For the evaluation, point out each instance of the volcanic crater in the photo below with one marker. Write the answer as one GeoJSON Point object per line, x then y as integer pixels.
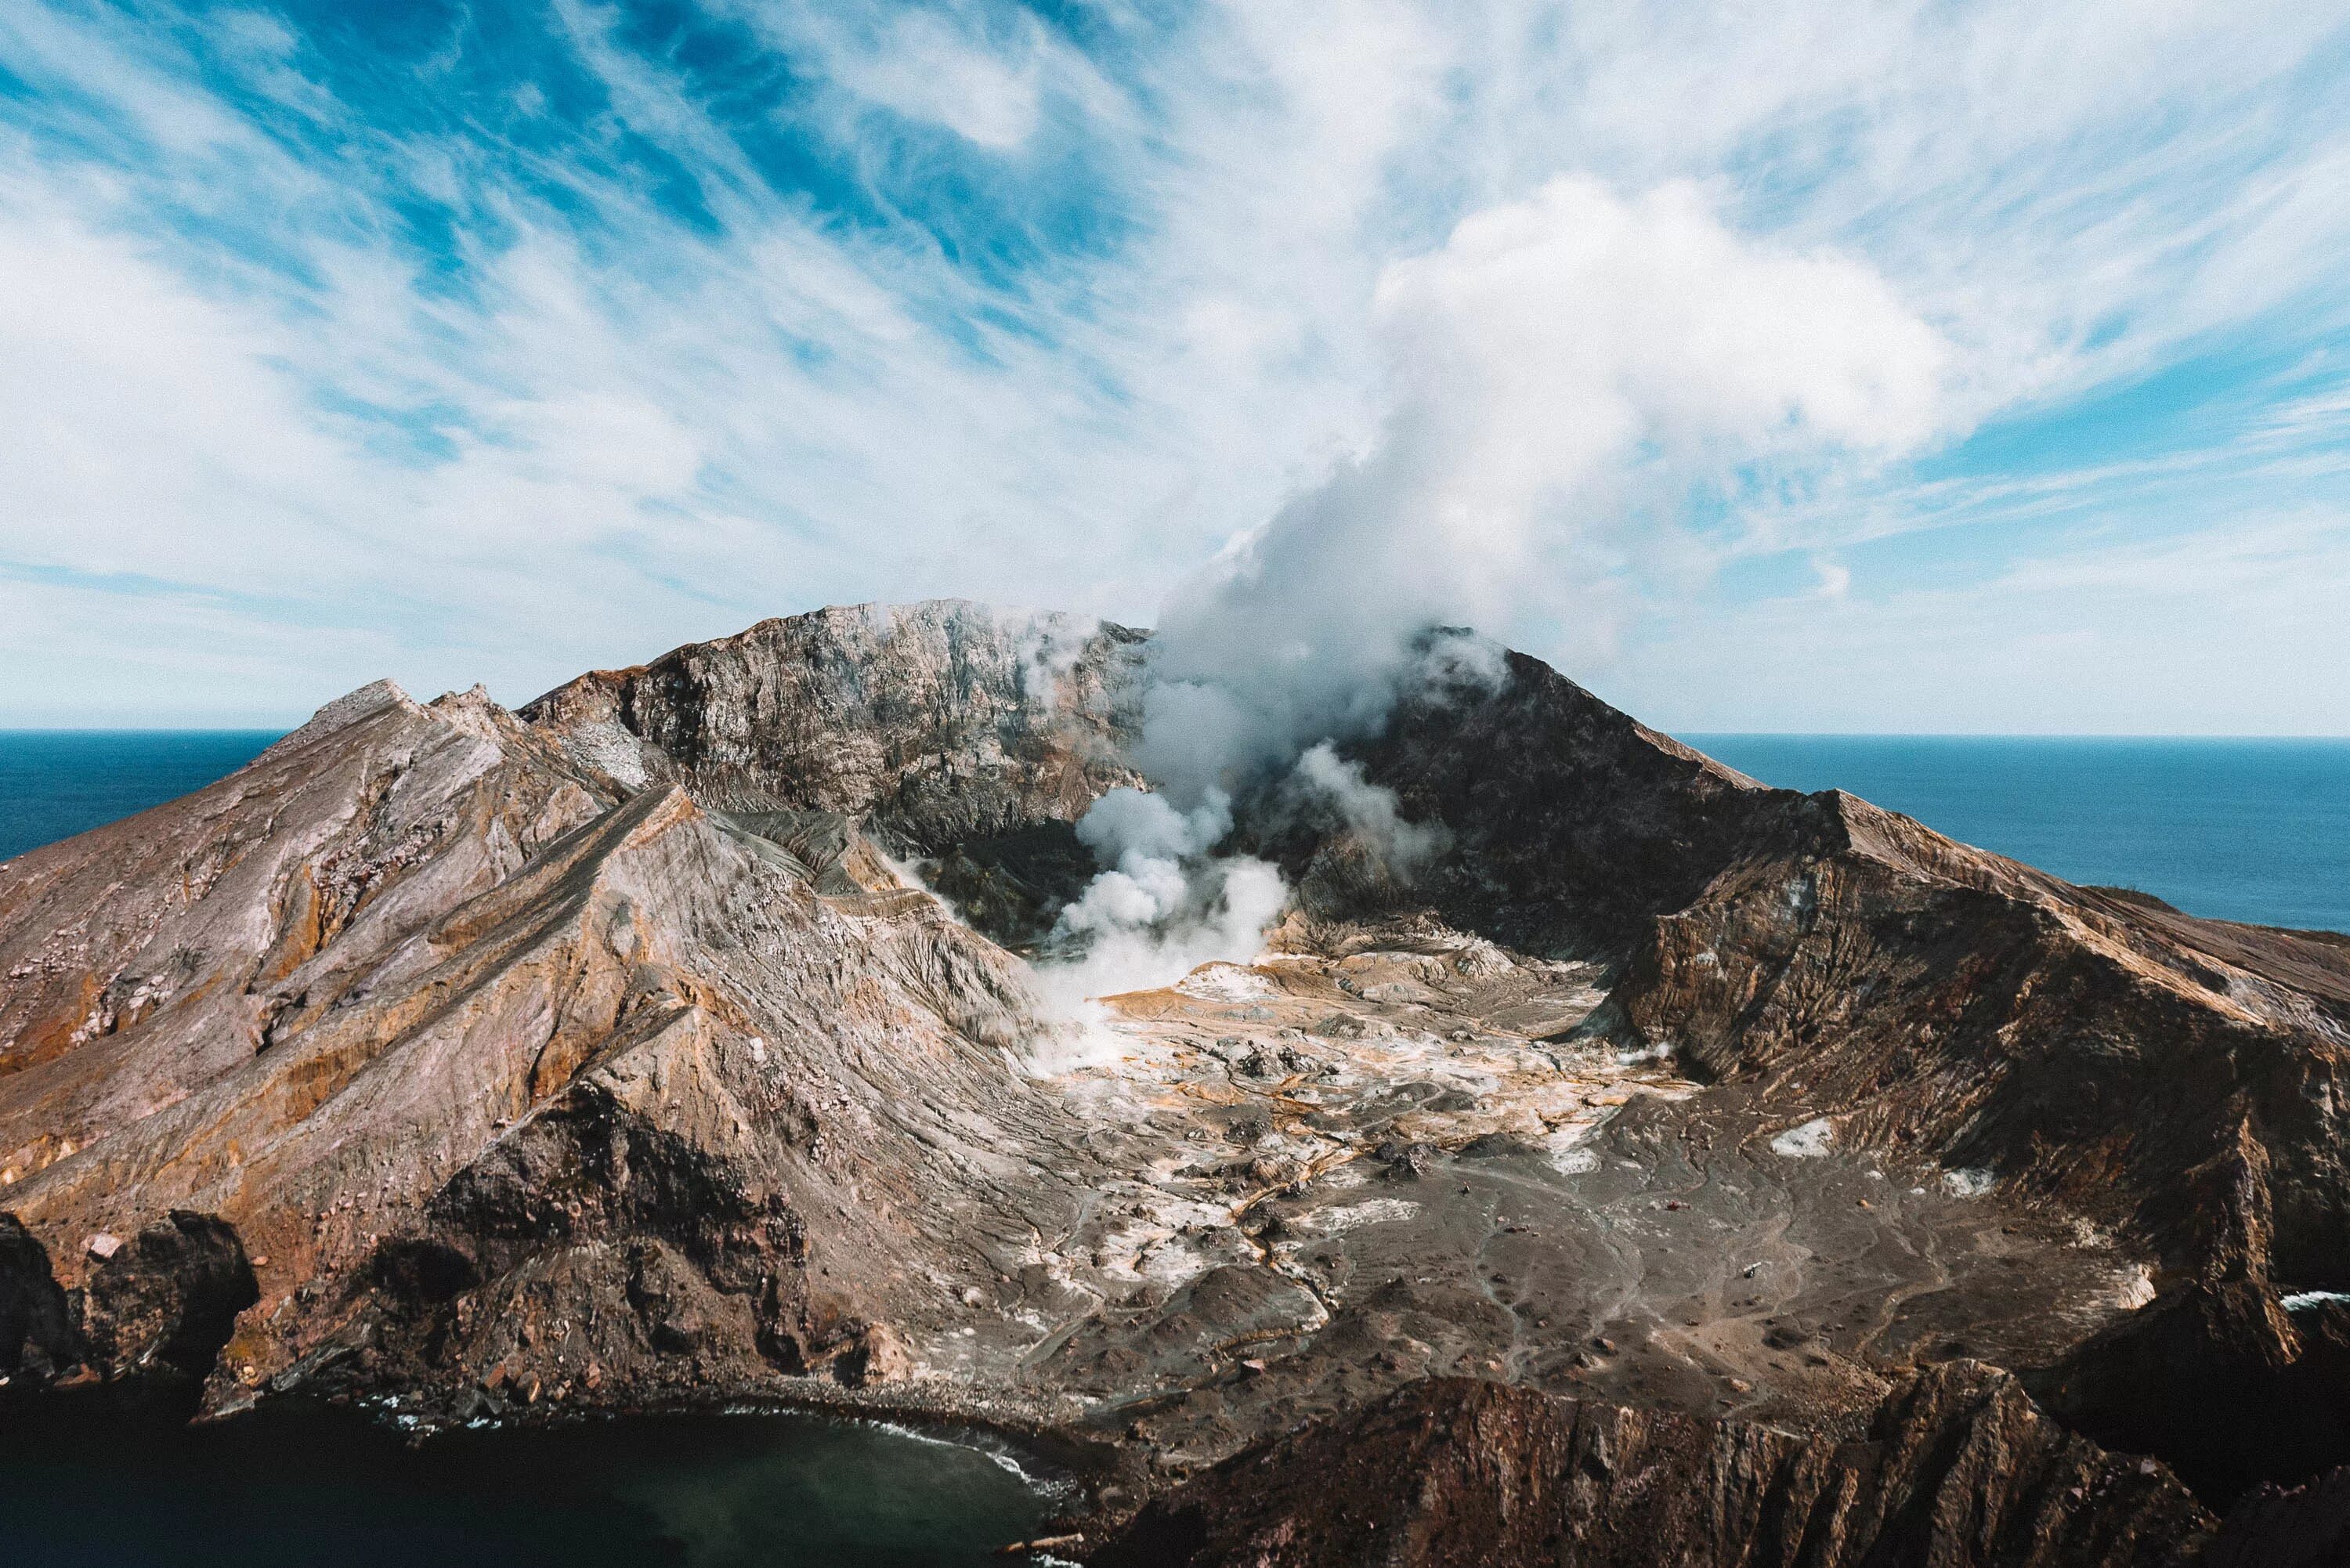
{"type": "Point", "coordinates": [674, 1040]}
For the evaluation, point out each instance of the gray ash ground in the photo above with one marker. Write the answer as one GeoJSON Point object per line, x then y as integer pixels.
{"type": "Point", "coordinates": [1380, 1155]}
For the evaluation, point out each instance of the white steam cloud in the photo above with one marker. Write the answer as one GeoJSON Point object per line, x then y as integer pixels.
{"type": "Point", "coordinates": [1569, 371]}
{"type": "Point", "coordinates": [1569, 368]}
{"type": "Point", "coordinates": [1370, 812]}
{"type": "Point", "coordinates": [1166, 905]}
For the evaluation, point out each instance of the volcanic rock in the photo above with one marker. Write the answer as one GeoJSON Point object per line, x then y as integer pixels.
{"type": "Point", "coordinates": [1956, 1469]}
{"type": "Point", "coordinates": [2175, 1076]}
{"type": "Point", "coordinates": [2302, 1527]}
{"type": "Point", "coordinates": [623, 1049]}
{"type": "Point", "coordinates": [2223, 1380]}
{"type": "Point", "coordinates": [504, 1069]}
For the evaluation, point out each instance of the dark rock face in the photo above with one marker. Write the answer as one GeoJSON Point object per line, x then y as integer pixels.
{"type": "Point", "coordinates": [156, 1308]}
{"type": "Point", "coordinates": [1013, 885]}
{"type": "Point", "coordinates": [2175, 1081]}
{"type": "Point", "coordinates": [171, 1296]}
{"type": "Point", "coordinates": [2222, 1381]}
{"type": "Point", "coordinates": [2307, 1527]}
{"type": "Point", "coordinates": [1956, 1469]}
{"type": "Point", "coordinates": [36, 1335]}
{"type": "Point", "coordinates": [2185, 1079]}
{"type": "Point", "coordinates": [1572, 825]}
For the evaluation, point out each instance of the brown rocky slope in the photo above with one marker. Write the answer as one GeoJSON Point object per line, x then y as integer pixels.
{"type": "Point", "coordinates": [2094, 1054]}
{"type": "Point", "coordinates": [457, 1041]}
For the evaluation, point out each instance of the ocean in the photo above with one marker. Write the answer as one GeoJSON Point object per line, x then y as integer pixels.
{"type": "Point", "coordinates": [2254, 830]}
{"type": "Point", "coordinates": [55, 783]}
{"type": "Point", "coordinates": [2239, 830]}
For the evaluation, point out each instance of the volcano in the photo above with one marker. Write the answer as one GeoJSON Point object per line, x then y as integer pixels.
{"type": "Point", "coordinates": [674, 1040]}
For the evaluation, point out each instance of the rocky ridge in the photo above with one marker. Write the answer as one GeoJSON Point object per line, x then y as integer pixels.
{"type": "Point", "coordinates": [1955, 1465]}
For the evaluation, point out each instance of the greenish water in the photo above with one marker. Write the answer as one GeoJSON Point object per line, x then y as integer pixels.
{"type": "Point", "coordinates": [95, 1490]}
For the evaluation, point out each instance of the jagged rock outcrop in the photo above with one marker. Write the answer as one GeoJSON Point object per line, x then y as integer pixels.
{"type": "Point", "coordinates": [1957, 1469]}
{"type": "Point", "coordinates": [2182, 1077]}
{"type": "Point", "coordinates": [157, 1306]}
{"type": "Point", "coordinates": [1569, 826]}
{"type": "Point", "coordinates": [944, 723]}
{"type": "Point", "coordinates": [2276, 1527]}
{"type": "Point", "coordinates": [2222, 1380]}
{"type": "Point", "coordinates": [2175, 1081]}
{"type": "Point", "coordinates": [964, 738]}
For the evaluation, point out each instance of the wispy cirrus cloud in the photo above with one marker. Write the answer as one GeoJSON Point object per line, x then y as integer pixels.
{"type": "Point", "coordinates": [482, 341]}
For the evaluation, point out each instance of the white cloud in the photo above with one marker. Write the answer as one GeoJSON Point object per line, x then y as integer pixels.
{"type": "Point", "coordinates": [2106, 636]}
{"type": "Point", "coordinates": [599, 424]}
{"type": "Point", "coordinates": [1563, 368]}
{"type": "Point", "coordinates": [134, 408]}
{"type": "Point", "coordinates": [1549, 335]}
{"type": "Point", "coordinates": [922, 69]}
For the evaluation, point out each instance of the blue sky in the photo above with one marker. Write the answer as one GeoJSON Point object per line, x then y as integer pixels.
{"type": "Point", "coordinates": [473, 341]}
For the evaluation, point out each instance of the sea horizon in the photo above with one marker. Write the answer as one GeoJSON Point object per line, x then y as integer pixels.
{"type": "Point", "coordinates": [2250, 828]}
{"type": "Point", "coordinates": [1697, 738]}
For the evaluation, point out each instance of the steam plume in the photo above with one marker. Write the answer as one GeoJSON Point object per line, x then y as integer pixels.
{"type": "Point", "coordinates": [1568, 372]}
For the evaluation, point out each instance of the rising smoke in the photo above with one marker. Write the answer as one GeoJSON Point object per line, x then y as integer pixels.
{"type": "Point", "coordinates": [1166, 904]}
{"type": "Point", "coordinates": [1569, 371]}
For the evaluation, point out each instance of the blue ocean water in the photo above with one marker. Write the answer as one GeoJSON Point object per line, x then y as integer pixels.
{"type": "Point", "coordinates": [2254, 830]}
{"type": "Point", "coordinates": [2242, 830]}
{"type": "Point", "coordinates": [55, 783]}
